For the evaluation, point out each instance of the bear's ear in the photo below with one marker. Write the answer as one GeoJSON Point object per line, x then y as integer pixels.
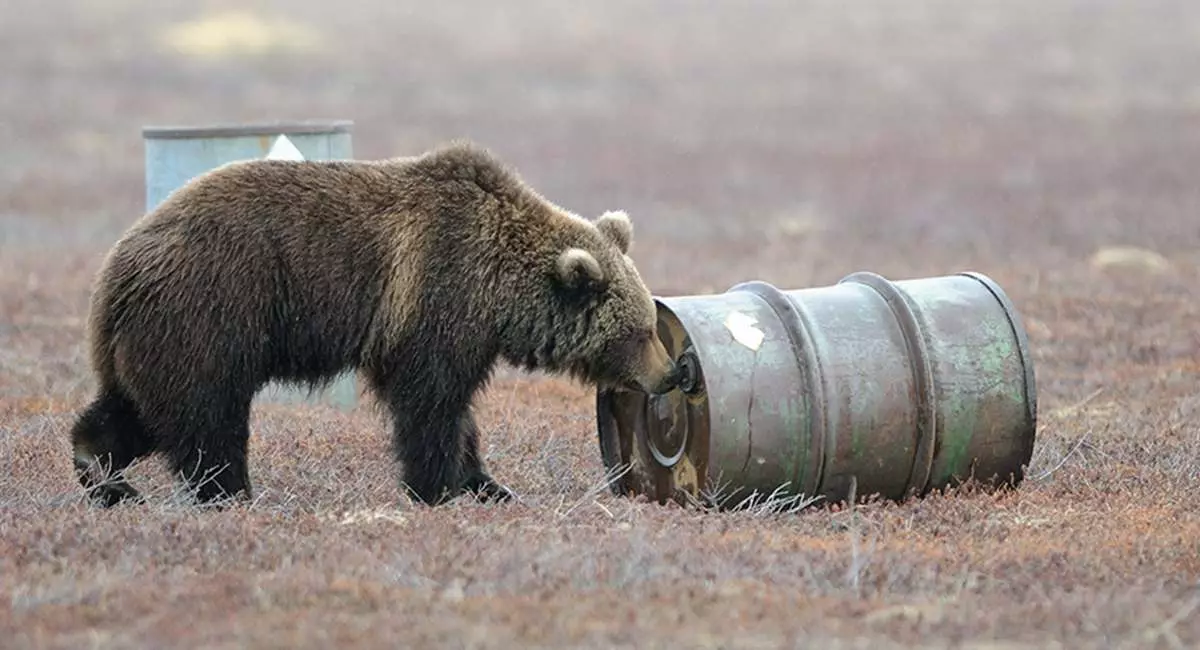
{"type": "Point", "coordinates": [615, 225]}
{"type": "Point", "coordinates": [578, 269]}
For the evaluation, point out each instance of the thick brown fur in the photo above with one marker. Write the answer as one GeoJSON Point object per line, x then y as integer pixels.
{"type": "Point", "coordinates": [420, 273]}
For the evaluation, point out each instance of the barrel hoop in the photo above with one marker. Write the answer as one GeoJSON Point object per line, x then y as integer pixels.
{"type": "Point", "coordinates": [796, 323]}
{"type": "Point", "coordinates": [1014, 321]}
{"type": "Point", "coordinates": [922, 372]}
{"type": "Point", "coordinates": [318, 127]}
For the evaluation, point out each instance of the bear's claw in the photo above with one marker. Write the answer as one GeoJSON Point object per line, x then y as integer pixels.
{"type": "Point", "coordinates": [107, 495]}
{"type": "Point", "coordinates": [487, 490]}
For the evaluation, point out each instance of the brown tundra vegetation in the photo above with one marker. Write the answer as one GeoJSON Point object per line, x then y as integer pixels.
{"type": "Point", "coordinates": [1050, 144]}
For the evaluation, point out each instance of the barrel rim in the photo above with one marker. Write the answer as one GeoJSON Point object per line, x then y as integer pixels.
{"type": "Point", "coordinates": [609, 439]}
{"type": "Point", "coordinates": [1023, 348]}
{"type": "Point", "coordinates": [230, 130]}
{"type": "Point", "coordinates": [608, 426]}
{"type": "Point", "coordinates": [913, 330]}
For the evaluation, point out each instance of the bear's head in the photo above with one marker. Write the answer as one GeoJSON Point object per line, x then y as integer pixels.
{"type": "Point", "coordinates": [602, 324]}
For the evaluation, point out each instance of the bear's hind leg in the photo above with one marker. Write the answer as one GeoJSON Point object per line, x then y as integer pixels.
{"type": "Point", "coordinates": [106, 438]}
{"type": "Point", "coordinates": [475, 478]}
{"type": "Point", "coordinates": [208, 449]}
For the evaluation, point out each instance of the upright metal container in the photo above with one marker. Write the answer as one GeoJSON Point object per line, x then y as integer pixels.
{"type": "Point", "coordinates": [866, 387]}
{"type": "Point", "coordinates": [175, 155]}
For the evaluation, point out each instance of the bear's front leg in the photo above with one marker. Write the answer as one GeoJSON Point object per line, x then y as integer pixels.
{"type": "Point", "coordinates": [439, 453]}
{"type": "Point", "coordinates": [435, 436]}
{"type": "Point", "coordinates": [429, 458]}
{"type": "Point", "coordinates": [427, 439]}
{"type": "Point", "coordinates": [475, 478]}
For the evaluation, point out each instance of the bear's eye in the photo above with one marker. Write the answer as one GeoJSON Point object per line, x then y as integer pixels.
{"type": "Point", "coordinates": [627, 345]}
{"type": "Point", "coordinates": [640, 337]}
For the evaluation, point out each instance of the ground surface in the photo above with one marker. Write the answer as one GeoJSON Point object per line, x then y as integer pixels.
{"type": "Point", "coordinates": [788, 141]}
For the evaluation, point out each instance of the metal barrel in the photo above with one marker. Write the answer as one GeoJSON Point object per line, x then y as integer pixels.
{"type": "Point", "coordinates": [175, 155]}
{"type": "Point", "coordinates": [866, 387]}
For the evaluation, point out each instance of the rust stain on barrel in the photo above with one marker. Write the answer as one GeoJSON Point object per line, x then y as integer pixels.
{"type": "Point", "coordinates": [867, 386]}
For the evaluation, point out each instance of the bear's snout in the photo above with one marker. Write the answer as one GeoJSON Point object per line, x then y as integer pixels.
{"type": "Point", "coordinates": [664, 374]}
{"type": "Point", "coordinates": [670, 380]}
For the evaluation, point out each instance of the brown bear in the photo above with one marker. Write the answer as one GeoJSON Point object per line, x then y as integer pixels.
{"type": "Point", "coordinates": [419, 273]}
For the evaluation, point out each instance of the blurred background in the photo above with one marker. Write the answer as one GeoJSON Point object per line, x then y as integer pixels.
{"type": "Point", "coordinates": [1051, 144]}
{"type": "Point", "coordinates": [1044, 142]}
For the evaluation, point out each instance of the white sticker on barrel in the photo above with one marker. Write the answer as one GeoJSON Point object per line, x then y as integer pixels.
{"type": "Point", "coordinates": [743, 329]}
{"type": "Point", "coordinates": [283, 149]}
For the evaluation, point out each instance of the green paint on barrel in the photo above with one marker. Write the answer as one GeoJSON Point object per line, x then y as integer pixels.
{"type": "Point", "coordinates": [867, 386]}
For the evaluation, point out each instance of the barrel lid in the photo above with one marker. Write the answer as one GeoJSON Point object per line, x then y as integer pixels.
{"type": "Point", "coordinates": [657, 444]}
{"type": "Point", "coordinates": [250, 129]}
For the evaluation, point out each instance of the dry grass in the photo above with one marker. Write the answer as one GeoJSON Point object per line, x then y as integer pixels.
{"type": "Point", "coordinates": [794, 142]}
{"type": "Point", "coordinates": [1099, 547]}
{"type": "Point", "coordinates": [1102, 549]}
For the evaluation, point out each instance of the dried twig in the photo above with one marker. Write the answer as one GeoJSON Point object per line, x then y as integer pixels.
{"type": "Point", "coordinates": [1062, 462]}
{"type": "Point", "coordinates": [1077, 406]}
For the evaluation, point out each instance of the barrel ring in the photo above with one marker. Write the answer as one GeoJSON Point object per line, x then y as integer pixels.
{"type": "Point", "coordinates": [1014, 321]}
{"type": "Point", "coordinates": [922, 374]}
{"type": "Point", "coordinates": [795, 325]}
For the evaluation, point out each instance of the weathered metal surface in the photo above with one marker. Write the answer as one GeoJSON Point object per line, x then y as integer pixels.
{"type": "Point", "coordinates": [866, 387]}
{"type": "Point", "coordinates": [175, 155]}
{"type": "Point", "coordinates": [270, 129]}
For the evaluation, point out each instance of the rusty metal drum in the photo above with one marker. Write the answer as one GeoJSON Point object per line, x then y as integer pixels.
{"type": "Point", "coordinates": [865, 387]}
